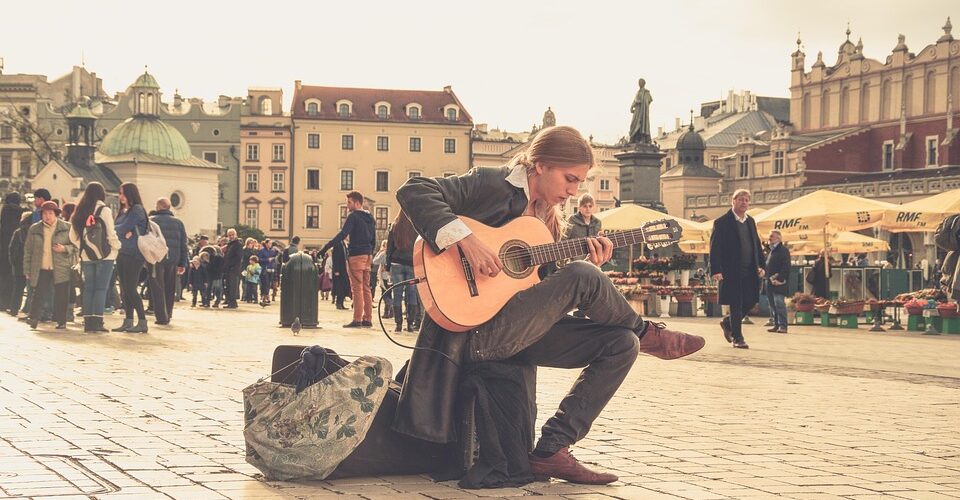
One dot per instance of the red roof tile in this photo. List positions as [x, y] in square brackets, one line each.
[364, 101]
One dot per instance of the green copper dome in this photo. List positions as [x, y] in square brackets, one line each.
[148, 136]
[146, 80]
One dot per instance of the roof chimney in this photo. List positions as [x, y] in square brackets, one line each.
[297, 84]
[448, 89]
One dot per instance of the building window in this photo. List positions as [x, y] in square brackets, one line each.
[6, 165]
[252, 214]
[278, 182]
[449, 145]
[276, 219]
[253, 152]
[253, 181]
[312, 109]
[413, 113]
[715, 162]
[415, 144]
[346, 180]
[176, 199]
[343, 110]
[932, 151]
[313, 179]
[25, 166]
[383, 143]
[278, 152]
[382, 216]
[777, 162]
[452, 114]
[313, 216]
[382, 112]
[6, 134]
[211, 156]
[313, 141]
[667, 163]
[744, 166]
[343, 215]
[888, 155]
[604, 184]
[383, 181]
[346, 142]
[414, 173]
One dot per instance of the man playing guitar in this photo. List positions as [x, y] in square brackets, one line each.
[534, 326]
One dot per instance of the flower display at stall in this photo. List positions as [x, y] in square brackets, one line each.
[803, 302]
[682, 261]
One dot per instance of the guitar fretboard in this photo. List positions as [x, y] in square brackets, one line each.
[570, 249]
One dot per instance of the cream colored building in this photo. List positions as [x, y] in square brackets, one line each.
[371, 141]
[495, 147]
[265, 155]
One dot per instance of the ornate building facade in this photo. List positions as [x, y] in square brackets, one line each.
[265, 157]
[371, 141]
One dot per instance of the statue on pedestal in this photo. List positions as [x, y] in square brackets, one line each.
[640, 125]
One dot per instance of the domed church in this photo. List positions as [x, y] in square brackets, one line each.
[147, 152]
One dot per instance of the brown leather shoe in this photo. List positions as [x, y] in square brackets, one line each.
[741, 345]
[668, 344]
[727, 331]
[562, 465]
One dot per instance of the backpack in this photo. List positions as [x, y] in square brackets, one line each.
[152, 244]
[94, 242]
[947, 236]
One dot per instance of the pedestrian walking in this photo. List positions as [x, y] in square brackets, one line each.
[9, 222]
[130, 222]
[400, 242]
[15, 250]
[361, 229]
[92, 231]
[777, 272]
[232, 267]
[819, 276]
[47, 259]
[164, 274]
[735, 261]
[251, 279]
[268, 262]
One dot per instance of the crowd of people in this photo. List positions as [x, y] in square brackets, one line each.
[56, 258]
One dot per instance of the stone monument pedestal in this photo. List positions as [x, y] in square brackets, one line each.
[640, 176]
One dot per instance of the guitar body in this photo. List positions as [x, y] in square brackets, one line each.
[445, 290]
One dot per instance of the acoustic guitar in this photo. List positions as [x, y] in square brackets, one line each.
[458, 299]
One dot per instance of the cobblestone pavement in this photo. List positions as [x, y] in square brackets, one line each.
[816, 414]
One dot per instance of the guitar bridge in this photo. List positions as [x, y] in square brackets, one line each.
[468, 273]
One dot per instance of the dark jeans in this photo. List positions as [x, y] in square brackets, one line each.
[6, 286]
[16, 295]
[778, 308]
[202, 291]
[534, 327]
[250, 291]
[128, 274]
[266, 283]
[214, 290]
[740, 308]
[46, 287]
[163, 289]
[231, 287]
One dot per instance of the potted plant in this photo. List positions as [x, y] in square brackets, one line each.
[845, 306]
[684, 263]
[803, 302]
[683, 294]
[710, 294]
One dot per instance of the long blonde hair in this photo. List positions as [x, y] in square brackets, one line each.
[561, 147]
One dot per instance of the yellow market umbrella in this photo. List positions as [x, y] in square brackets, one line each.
[842, 242]
[694, 246]
[816, 211]
[922, 215]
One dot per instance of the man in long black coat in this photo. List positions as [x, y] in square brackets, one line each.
[9, 222]
[735, 261]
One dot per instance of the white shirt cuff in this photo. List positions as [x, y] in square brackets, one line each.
[451, 233]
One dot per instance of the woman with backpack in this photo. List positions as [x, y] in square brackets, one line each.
[131, 222]
[92, 231]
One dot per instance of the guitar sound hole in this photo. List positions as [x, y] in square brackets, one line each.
[515, 256]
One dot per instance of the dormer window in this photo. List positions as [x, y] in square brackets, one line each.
[451, 113]
[313, 107]
[413, 111]
[266, 106]
[344, 109]
[383, 110]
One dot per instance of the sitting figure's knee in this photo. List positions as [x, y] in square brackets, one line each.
[584, 271]
[625, 341]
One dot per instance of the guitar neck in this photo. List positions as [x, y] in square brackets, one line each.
[571, 249]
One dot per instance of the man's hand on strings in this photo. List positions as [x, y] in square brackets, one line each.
[601, 249]
[482, 260]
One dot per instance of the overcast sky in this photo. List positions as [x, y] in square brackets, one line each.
[506, 60]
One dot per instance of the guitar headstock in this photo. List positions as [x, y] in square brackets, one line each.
[661, 233]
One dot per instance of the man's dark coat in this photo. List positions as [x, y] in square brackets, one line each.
[778, 263]
[725, 259]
